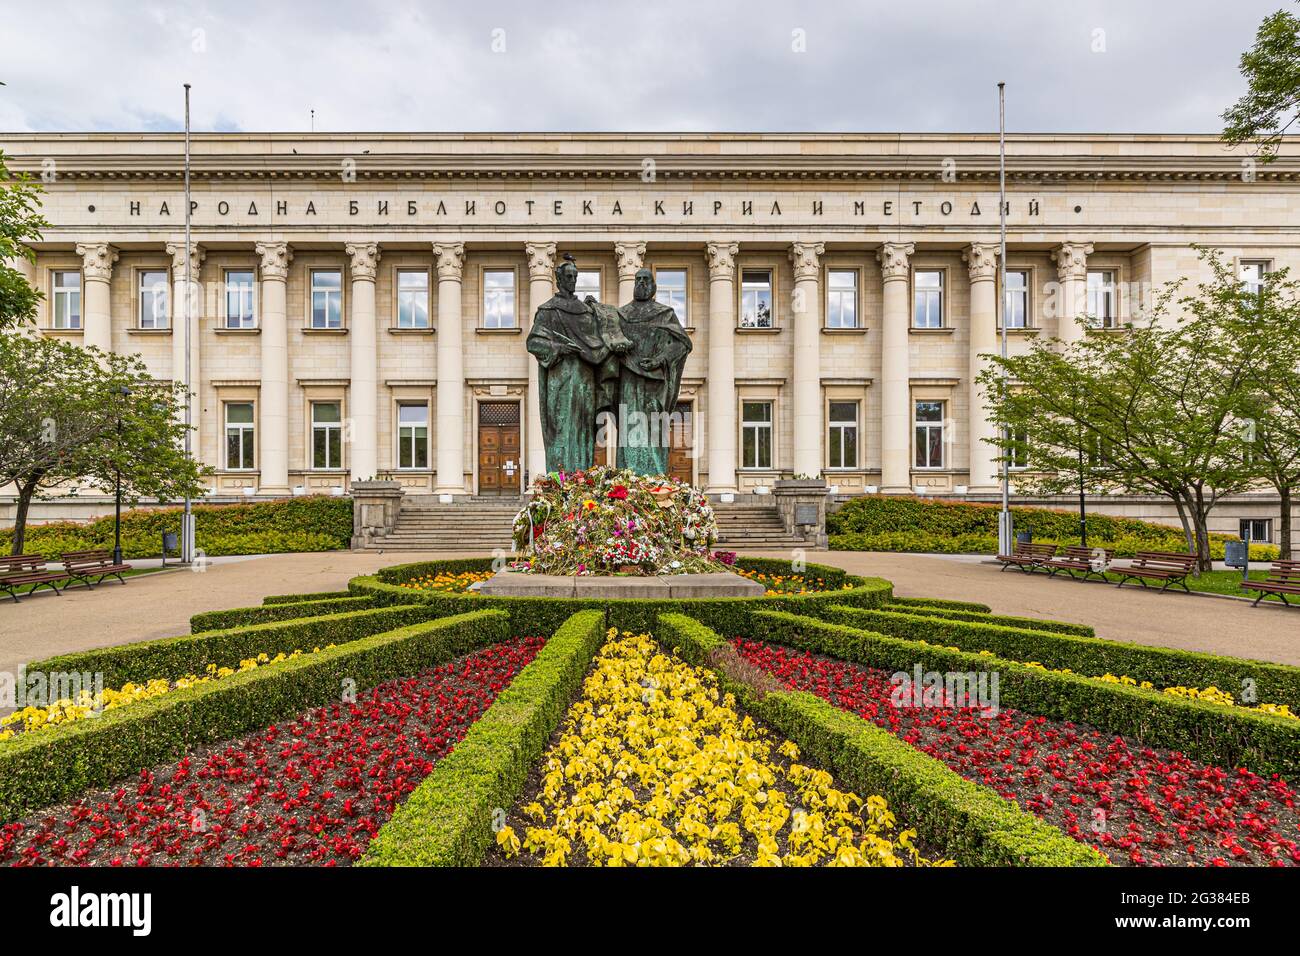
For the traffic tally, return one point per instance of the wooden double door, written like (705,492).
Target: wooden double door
(500,467)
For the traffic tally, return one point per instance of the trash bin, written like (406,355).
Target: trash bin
(1024,537)
(1234,554)
(168,544)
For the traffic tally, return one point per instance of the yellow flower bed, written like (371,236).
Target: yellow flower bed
(655,768)
(90,704)
(792,583)
(457,583)
(1211,694)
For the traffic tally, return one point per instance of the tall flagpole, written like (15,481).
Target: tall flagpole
(1005,539)
(187,525)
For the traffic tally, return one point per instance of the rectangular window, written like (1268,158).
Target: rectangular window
(1018,449)
(927,300)
(1016,307)
(843,439)
(1256,530)
(412,299)
(239,435)
(326,435)
(1253,275)
(153,299)
(842,299)
(326,299)
(413,436)
(498,299)
(928,418)
(67,301)
(588,284)
(670,289)
(1101,298)
(756,434)
(756,299)
(239,299)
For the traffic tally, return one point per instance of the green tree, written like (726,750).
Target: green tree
(1157,408)
(20,223)
(78,415)
(1271,104)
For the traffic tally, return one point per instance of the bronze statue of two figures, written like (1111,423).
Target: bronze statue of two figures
(595,360)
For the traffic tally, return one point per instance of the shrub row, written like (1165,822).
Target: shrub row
(931,543)
(963,819)
(309,596)
(309,523)
(943,603)
(60,763)
(447,820)
(1087,655)
(1222,735)
(244,616)
(983,617)
(189,654)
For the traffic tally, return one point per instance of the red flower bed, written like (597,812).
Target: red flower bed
(312,791)
(1138,805)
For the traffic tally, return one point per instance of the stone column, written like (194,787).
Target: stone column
(982,264)
(807,309)
(1072,273)
(97,260)
(895,371)
(187,307)
(541,286)
(363,393)
(722,427)
(630,256)
(451,370)
(273,416)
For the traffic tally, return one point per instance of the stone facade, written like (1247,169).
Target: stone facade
(839,225)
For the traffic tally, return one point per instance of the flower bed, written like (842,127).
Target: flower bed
(312,790)
(654,767)
(1139,805)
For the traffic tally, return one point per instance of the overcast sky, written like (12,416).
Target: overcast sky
(911,65)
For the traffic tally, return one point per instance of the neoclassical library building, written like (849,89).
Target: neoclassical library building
(360,302)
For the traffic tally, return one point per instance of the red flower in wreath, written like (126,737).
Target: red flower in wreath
(618,493)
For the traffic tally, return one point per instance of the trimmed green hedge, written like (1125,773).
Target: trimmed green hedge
(309,596)
(308,523)
(48,766)
(1005,620)
(447,820)
(243,616)
(173,657)
(943,603)
(1227,736)
(966,820)
(1090,656)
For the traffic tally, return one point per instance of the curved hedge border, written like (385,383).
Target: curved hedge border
(544,615)
(1003,620)
(1226,736)
(191,653)
(447,820)
(972,606)
(959,817)
(1088,656)
(48,766)
(280,611)
(309,596)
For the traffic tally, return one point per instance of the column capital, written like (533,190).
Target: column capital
(806,258)
(630,256)
(363,259)
(896,259)
(276,257)
(541,260)
(981,260)
(722,259)
(97,260)
(177,251)
(1071,260)
(451,259)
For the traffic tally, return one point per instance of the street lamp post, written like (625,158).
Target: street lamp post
(123,393)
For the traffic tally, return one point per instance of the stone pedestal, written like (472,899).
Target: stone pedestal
(374,510)
(802,506)
(666,587)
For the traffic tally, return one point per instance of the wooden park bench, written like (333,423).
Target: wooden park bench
(84,565)
(1079,560)
(17,570)
(1169,567)
(1027,556)
(1283,579)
